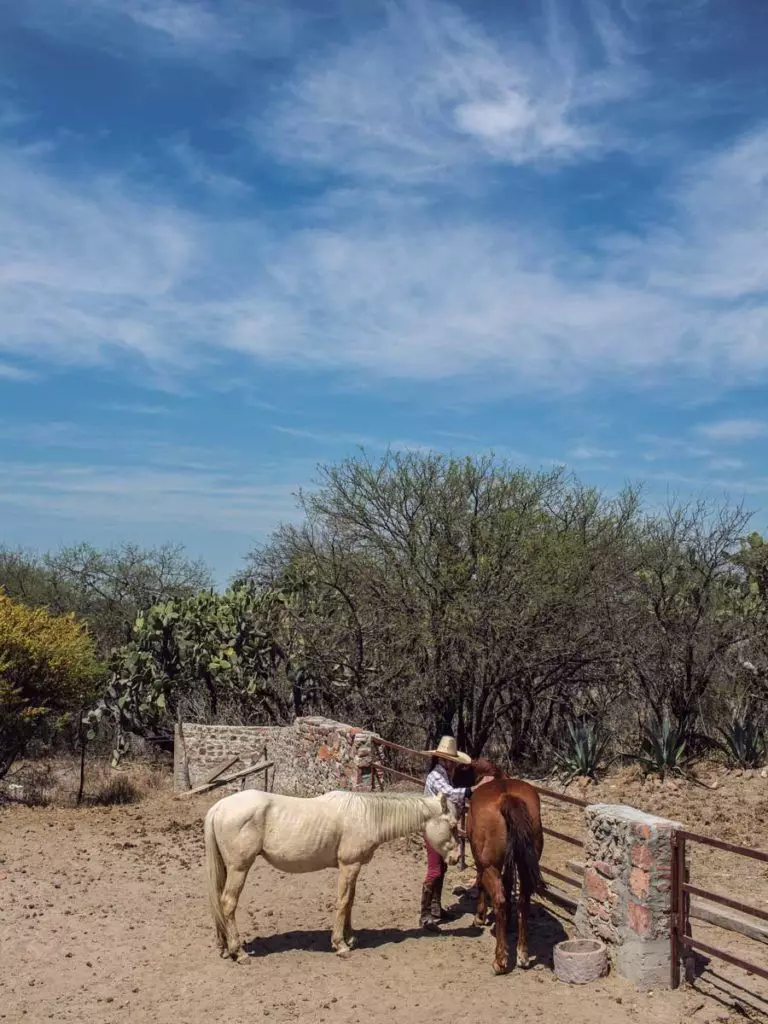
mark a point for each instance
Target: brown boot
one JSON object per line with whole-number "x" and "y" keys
{"x": 436, "y": 904}
{"x": 426, "y": 919}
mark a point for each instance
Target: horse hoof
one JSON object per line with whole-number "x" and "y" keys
{"x": 479, "y": 922}
{"x": 499, "y": 968}
{"x": 241, "y": 957}
{"x": 524, "y": 963}
{"x": 352, "y": 942}
{"x": 344, "y": 952}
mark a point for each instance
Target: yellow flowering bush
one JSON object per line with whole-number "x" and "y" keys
{"x": 48, "y": 667}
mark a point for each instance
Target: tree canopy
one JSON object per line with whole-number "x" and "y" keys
{"x": 424, "y": 594}
{"x": 48, "y": 667}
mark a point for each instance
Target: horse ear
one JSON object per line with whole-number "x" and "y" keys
{"x": 443, "y": 803}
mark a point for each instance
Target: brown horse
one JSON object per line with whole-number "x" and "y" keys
{"x": 504, "y": 831}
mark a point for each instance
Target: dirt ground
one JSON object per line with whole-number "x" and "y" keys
{"x": 103, "y": 918}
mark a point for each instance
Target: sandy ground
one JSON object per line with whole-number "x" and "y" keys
{"x": 103, "y": 918}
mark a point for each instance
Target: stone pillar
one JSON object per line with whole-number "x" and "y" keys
{"x": 626, "y": 895}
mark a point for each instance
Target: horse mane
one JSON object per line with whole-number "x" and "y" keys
{"x": 388, "y": 815}
{"x": 469, "y": 774}
{"x": 482, "y": 766}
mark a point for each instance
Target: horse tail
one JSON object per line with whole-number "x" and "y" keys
{"x": 520, "y": 851}
{"x": 217, "y": 875}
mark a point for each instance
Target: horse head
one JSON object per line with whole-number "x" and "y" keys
{"x": 441, "y": 832}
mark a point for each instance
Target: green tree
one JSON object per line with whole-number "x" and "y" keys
{"x": 104, "y": 588}
{"x": 48, "y": 667}
{"x": 198, "y": 652}
{"x": 691, "y": 611}
{"x": 449, "y": 594}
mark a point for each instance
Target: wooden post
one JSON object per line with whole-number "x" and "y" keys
{"x": 83, "y": 740}
{"x": 185, "y": 780}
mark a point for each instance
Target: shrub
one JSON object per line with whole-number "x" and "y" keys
{"x": 584, "y": 752}
{"x": 663, "y": 748}
{"x": 48, "y": 668}
{"x": 743, "y": 739}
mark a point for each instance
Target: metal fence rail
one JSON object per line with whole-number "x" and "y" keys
{"x": 682, "y": 889}
{"x": 681, "y": 938}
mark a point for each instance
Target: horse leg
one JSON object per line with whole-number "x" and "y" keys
{"x": 494, "y": 884}
{"x": 481, "y": 911}
{"x": 523, "y": 908}
{"x": 229, "y": 897}
{"x": 347, "y": 877}
{"x": 349, "y": 938}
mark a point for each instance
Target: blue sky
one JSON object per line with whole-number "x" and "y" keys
{"x": 239, "y": 238}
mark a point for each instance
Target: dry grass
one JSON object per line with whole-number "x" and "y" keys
{"x": 55, "y": 783}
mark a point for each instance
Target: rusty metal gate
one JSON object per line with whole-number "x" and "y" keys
{"x": 682, "y": 909}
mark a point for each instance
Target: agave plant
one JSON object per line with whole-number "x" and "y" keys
{"x": 663, "y": 746}
{"x": 584, "y": 751}
{"x": 743, "y": 739}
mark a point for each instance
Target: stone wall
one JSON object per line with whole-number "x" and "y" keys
{"x": 312, "y": 756}
{"x": 626, "y": 893}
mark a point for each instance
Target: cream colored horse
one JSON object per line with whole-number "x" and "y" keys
{"x": 298, "y": 835}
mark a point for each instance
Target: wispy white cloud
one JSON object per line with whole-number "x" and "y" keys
{"x": 726, "y": 463}
{"x": 590, "y": 453}
{"x": 735, "y": 431}
{"x": 730, "y": 488}
{"x": 348, "y": 439}
{"x": 206, "y": 30}
{"x": 94, "y": 271}
{"x": 143, "y": 495}
{"x": 198, "y": 169}
{"x": 432, "y": 90}
{"x": 662, "y": 447}
{"x": 91, "y": 271}
{"x": 15, "y": 373}
{"x": 136, "y": 409}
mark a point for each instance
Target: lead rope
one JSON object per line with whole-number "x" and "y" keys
{"x": 463, "y": 844}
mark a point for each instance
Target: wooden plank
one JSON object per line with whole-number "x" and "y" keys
{"x": 226, "y": 779}
{"x": 250, "y": 770}
{"x": 562, "y": 899}
{"x": 731, "y": 921}
{"x": 222, "y": 767}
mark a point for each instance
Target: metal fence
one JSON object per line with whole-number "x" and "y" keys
{"x": 686, "y": 902}
{"x": 681, "y": 936}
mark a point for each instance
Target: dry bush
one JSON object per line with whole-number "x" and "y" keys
{"x": 55, "y": 783}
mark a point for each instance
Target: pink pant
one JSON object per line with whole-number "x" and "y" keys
{"x": 436, "y": 866}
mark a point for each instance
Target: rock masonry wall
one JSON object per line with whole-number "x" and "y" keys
{"x": 311, "y": 756}
{"x": 626, "y": 894}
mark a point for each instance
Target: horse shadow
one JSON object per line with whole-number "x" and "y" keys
{"x": 544, "y": 932}
{"x": 317, "y": 940}
{"x": 545, "y": 929}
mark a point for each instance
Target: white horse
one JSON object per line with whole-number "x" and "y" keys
{"x": 298, "y": 835}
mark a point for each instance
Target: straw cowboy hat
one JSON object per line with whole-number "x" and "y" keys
{"x": 447, "y": 748}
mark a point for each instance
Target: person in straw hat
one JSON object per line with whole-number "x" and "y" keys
{"x": 445, "y": 757}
